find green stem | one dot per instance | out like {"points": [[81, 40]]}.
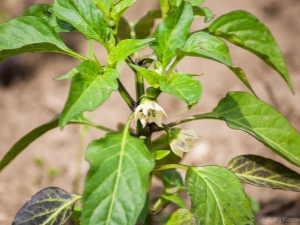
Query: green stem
{"points": [[155, 128], [177, 60], [126, 96], [139, 83], [91, 47], [80, 154], [171, 166], [106, 129]]}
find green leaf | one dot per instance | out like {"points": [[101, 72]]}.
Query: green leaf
{"points": [[241, 111], [49, 206], [118, 9], [30, 34], [164, 5], [246, 31], [21, 144], [204, 45], [115, 187], [203, 12], [181, 217], [45, 11], [175, 199], [76, 215], [172, 181], [145, 24], [175, 2], [88, 90], [104, 5], [124, 29], [160, 154], [150, 76], [214, 200], [264, 172], [143, 214], [162, 143], [182, 87], [172, 33], [87, 18], [125, 48], [69, 75], [196, 2]]}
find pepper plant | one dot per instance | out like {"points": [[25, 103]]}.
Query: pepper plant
{"points": [[117, 187]]}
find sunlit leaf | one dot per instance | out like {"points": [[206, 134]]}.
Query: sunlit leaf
{"points": [[115, 187], [104, 5], [183, 87], [118, 9], [174, 199], [204, 45], [88, 90], [145, 24], [50, 206], [30, 34], [196, 2], [86, 18], [242, 111], [181, 217], [214, 200], [150, 76], [160, 154], [264, 172], [164, 5], [172, 33], [125, 48], [22, 143], [246, 31], [45, 11]]}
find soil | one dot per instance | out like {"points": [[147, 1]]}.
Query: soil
{"points": [[30, 97]]}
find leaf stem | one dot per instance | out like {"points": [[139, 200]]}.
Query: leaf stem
{"points": [[177, 60], [126, 96], [171, 166]]}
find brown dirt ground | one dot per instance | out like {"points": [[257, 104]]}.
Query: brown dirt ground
{"points": [[30, 97]]}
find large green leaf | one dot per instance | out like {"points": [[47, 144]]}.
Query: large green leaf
{"points": [[246, 31], [118, 9], [115, 186], [183, 87], [217, 197], [181, 217], [172, 33], [87, 18], [125, 48], [30, 34], [150, 76], [21, 144], [264, 172], [50, 206], [201, 44], [145, 24], [242, 111], [45, 11], [88, 90]]}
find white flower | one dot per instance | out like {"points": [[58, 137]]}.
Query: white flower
{"points": [[149, 110], [182, 142]]}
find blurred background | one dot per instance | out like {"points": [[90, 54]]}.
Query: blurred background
{"points": [[30, 97]]}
